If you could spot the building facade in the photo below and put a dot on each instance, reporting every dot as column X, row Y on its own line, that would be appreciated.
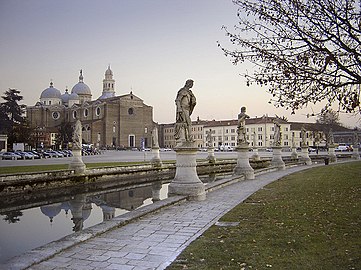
column 259, row 132
column 109, row 121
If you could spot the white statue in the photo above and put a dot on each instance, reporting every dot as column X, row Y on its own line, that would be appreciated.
column 77, row 135
column 155, row 143
column 277, row 133
column 185, row 103
column 241, row 127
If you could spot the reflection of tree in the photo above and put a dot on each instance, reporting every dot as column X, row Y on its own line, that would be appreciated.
column 13, row 216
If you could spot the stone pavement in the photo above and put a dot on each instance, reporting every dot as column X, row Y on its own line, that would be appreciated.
column 155, row 240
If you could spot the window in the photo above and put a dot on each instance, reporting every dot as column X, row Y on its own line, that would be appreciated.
column 260, row 129
column 260, row 137
column 97, row 111
column 74, row 114
column 286, row 129
column 130, row 111
column 86, row 113
column 56, row 115
column 233, row 130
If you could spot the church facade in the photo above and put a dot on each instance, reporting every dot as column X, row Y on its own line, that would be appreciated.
column 109, row 121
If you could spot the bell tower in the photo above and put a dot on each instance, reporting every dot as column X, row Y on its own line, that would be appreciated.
column 108, row 85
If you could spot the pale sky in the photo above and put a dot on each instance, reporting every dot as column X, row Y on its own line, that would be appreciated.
column 153, row 47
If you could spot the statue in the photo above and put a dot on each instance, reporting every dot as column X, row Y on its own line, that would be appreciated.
column 155, row 143
column 209, row 137
column 277, row 133
column 303, row 137
column 77, row 135
column 185, row 103
column 241, row 127
column 330, row 139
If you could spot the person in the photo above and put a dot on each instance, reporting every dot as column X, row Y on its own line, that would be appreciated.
column 185, row 103
column 241, row 127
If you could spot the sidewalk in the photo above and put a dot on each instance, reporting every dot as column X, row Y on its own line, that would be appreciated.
column 155, row 240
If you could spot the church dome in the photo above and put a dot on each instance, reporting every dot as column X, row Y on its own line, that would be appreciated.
column 73, row 96
column 65, row 97
column 81, row 88
column 50, row 92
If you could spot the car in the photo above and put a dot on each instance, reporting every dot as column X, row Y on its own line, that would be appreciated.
column 35, row 156
column 11, row 156
column 343, row 147
column 24, row 155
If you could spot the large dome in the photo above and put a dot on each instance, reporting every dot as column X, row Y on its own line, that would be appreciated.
column 81, row 88
column 51, row 92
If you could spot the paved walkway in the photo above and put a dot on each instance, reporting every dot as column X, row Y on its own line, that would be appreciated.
column 155, row 240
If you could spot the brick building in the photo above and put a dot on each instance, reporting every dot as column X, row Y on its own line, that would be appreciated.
column 109, row 121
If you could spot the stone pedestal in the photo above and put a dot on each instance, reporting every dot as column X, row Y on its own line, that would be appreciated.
column 255, row 155
column 277, row 158
column 331, row 153
column 294, row 154
column 156, row 161
column 211, row 158
column 305, row 157
column 156, row 187
column 77, row 163
column 243, row 167
column 186, row 181
column 355, row 153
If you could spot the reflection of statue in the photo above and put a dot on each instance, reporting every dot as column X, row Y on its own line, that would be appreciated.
column 155, row 143
column 303, row 136
column 185, row 103
column 277, row 133
column 241, row 127
column 77, row 136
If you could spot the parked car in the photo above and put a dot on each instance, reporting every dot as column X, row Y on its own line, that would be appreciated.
column 35, row 156
column 11, row 156
column 343, row 147
column 24, row 155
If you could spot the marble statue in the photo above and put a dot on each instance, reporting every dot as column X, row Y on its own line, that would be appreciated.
column 155, row 143
column 330, row 139
column 209, row 137
column 277, row 133
column 303, row 137
column 77, row 135
column 185, row 103
column 241, row 127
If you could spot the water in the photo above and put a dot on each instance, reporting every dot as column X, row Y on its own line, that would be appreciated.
column 24, row 227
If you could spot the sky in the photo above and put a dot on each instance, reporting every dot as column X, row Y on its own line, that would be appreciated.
column 152, row 46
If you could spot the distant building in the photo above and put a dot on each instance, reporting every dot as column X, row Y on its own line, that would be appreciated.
column 259, row 132
column 3, row 143
column 109, row 121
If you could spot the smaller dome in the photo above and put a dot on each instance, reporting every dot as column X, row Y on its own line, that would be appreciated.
column 109, row 71
column 51, row 92
column 106, row 95
column 65, row 97
column 73, row 96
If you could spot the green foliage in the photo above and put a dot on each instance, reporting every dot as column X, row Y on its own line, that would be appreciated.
column 308, row 220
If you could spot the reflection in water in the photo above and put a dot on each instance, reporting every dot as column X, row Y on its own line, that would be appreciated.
column 79, row 212
column 27, row 227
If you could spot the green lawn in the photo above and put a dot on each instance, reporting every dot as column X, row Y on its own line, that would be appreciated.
column 308, row 220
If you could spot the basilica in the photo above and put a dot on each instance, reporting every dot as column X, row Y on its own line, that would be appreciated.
column 108, row 121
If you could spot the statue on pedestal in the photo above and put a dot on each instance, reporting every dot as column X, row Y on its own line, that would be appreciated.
column 155, row 143
column 330, row 138
column 77, row 135
column 241, row 128
column 277, row 133
column 185, row 103
column 303, row 137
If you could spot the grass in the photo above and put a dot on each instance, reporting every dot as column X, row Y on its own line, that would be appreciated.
column 307, row 220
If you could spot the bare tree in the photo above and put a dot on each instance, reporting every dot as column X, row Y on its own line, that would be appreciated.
column 304, row 51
